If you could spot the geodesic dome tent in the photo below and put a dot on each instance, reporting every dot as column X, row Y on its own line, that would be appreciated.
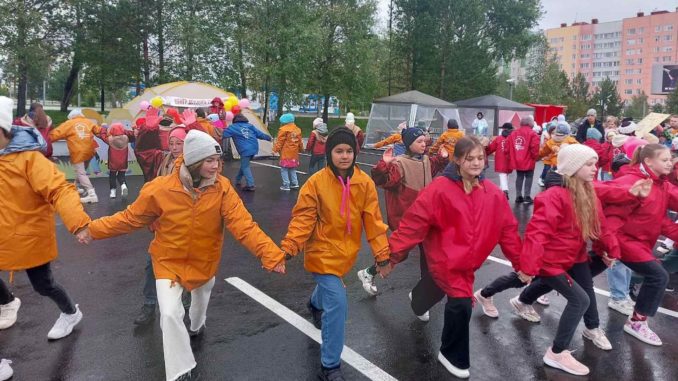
column 496, row 111
column 413, row 107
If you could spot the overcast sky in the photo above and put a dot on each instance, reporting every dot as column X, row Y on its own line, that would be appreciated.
column 569, row 11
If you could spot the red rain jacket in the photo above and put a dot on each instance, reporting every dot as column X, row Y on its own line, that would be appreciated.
column 523, row 146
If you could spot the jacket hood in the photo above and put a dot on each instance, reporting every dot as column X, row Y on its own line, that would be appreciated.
column 553, row 179
column 451, row 171
column 24, row 139
column 619, row 161
column 506, row 132
column 217, row 99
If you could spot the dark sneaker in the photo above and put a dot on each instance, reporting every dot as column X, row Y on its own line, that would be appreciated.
column 519, row 200
column 249, row 189
column 146, row 315
column 316, row 314
column 506, row 193
column 331, row 374
column 294, row 186
column 184, row 377
column 528, row 200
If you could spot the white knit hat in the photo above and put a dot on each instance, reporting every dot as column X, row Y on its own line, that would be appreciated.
column 627, row 127
column 198, row 146
column 619, row 140
column 317, row 121
column 350, row 118
column 6, row 106
column 75, row 113
column 574, row 156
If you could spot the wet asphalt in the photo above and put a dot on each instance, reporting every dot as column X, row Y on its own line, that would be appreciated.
column 245, row 341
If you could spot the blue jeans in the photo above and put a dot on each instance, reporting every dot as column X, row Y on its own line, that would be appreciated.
column 150, row 294
column 329, row 296
column 544, row 171
column 245, row 171
column 316, row 164
column 289, row 177
column 618, row 278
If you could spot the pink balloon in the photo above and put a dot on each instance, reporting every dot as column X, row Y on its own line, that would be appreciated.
column 244, row 103
column 229, row 116
column 219, row 124
column 144, row 105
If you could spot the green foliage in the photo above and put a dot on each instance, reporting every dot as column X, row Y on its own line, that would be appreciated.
column 672, row 102
column 607, row 100
column 658, row 107
column 638, row 107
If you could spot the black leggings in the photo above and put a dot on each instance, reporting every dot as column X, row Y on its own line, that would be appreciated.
column 654, row 285
column 112, row 175
column 43, row 283
column 577, row 304
column 426, row 293
column 501, row 284
column 526, row 178
column 583, row 273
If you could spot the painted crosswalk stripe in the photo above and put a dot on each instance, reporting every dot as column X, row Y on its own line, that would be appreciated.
column 351, row 357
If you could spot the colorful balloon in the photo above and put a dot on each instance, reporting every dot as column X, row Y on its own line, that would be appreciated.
column 157, row 102
column 244, row 103
column 235, row 110
column 229, row 116
column 228, row 106
column 144, row 105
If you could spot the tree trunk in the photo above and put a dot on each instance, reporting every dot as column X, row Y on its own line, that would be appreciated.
column 241, row 69
column 23, row 60
column 161, row 42
column 326, row 107
column 147, row 69
column 69, row 86
column 266, row 101
column 23, row 87
column 102, row 99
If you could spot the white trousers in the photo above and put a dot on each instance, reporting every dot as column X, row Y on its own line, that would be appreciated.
column 176, row 343
column 503, row 181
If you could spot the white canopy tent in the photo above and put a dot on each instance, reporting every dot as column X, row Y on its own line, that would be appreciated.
column 413, row 107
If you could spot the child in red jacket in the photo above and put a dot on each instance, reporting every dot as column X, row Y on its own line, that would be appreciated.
column 315, row 146
column 460, row 218
column 523, row 145
column 117, row 158
column 502, row 160
column 403, row 177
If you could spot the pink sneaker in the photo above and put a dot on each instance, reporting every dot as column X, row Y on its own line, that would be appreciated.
column 642, row 332
column 566, row 362
column 487, row 304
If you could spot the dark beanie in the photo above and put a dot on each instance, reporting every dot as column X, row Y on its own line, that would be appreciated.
column 340, row 135
column 452, row 124
column 240, row 118
column 409, row 135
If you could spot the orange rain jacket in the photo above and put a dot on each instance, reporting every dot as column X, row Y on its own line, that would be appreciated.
column 79, row 135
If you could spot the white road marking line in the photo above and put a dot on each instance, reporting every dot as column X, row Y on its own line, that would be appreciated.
column 274, row 166
column 351, row 357
column 598, row 291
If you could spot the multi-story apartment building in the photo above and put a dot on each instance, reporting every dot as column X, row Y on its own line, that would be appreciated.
column 632, row 52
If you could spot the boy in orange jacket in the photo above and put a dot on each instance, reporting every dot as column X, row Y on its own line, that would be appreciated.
column 34, row 188
column 288, row 144
column 448, row 139
column 184, row 257
column 327, row 222
column 79, row 132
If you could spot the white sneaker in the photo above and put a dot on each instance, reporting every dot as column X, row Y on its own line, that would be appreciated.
column 123, row 190
column 598, row 337
column 621, row 306
column 566, row 362
column 112, row 193
column 540, row 182
column 6, row 371
column 459, row 373
column 544, row 300
column 525, row 311
column 368, row 282
column 65, row 324
column 90, row 197
column 426, row 316
column 8, row 313
column 630, row 301
column 663, row 249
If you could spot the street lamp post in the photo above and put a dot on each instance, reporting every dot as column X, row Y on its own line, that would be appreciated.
column 511, row 82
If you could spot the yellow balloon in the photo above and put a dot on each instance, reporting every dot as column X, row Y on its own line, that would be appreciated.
column 232, row 101
column 228, row 106
column 156, row 102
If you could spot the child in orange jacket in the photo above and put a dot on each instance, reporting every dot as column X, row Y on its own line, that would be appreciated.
column 288, row 144
column 327, row 222
column 33, row 190
column 448, row 139
column 186, row 257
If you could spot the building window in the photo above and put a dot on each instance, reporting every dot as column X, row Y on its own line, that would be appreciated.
column 668, row 37
column 641, row 30
column 628, row 91
column 656, row 59
column 574, row 38
column 667, row 49
column 668, row 28
column 640, row 61
column 657, row 28
column 666, row 59
column 631, row 42
column 628, row 81
column 631, row 31
column 639, row 81
column 630, row 62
